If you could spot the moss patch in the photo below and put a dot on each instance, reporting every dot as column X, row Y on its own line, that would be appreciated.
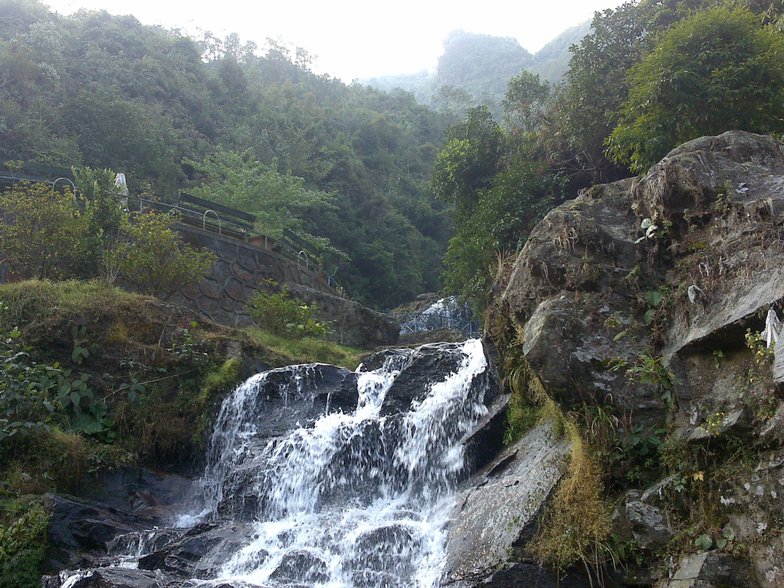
column 307, row 350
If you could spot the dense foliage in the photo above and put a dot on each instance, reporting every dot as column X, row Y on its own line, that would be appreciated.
column 278, row 313
column 151, row 256
column 43, row 233
column 714, row 71
column 105, row 91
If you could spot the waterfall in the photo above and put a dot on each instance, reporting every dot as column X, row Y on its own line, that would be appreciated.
column 445, row 313
column 318, row 476
column 357, row 499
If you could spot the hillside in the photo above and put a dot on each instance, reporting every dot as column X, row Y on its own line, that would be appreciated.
column 172, row 112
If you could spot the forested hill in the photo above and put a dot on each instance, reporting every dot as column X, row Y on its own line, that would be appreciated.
column 475, row 69
column 346, row 166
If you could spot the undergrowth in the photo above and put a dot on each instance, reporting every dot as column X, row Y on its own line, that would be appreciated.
column 306, row 350
column 23, row 542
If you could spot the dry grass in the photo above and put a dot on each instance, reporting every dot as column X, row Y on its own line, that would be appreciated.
column 577, row 524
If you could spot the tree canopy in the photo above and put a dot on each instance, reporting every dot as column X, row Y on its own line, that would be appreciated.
column 714, row 71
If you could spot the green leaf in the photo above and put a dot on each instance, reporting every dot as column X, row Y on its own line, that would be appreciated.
column 649, row 316
column 87, row 424
column 704, row 542
column 653, row 298
column 79, row 354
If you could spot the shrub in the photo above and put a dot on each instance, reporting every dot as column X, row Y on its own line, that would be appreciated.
column 44, row 234
column 152, row 257
column 278, row 313
column 716, row 71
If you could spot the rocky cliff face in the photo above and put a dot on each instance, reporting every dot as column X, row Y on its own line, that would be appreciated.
column 631, row 306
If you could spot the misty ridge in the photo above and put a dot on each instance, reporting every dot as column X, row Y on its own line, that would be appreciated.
column 476, row 69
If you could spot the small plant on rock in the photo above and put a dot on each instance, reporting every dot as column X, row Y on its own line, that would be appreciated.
column 274, row 310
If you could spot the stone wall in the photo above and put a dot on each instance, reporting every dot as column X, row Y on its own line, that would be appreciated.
column 240, row 268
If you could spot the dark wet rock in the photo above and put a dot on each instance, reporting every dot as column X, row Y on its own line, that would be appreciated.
column 427, row 365
column 142, row 543
column 487, row 439
column 385, row 550
column 140, row 490
column 297, row 395
column 111, row 578
column 419, row 370
column 530, row 575
column 640, row 520
column 495, row 514
column 198, row 553
column 80, row 530
column 301, row 566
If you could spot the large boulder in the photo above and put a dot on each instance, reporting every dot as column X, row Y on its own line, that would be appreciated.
column 592, row 287
column 80, row 530
column 636, row 296
column 419, row 370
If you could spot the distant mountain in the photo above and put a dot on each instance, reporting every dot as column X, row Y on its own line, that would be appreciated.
column 419, row 84
column 480, row 64
column 552, row 60
column 475, row 69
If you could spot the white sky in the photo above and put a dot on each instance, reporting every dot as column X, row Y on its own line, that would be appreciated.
column 354, row 39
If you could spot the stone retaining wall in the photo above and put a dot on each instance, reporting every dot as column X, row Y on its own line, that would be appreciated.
column 240, row 268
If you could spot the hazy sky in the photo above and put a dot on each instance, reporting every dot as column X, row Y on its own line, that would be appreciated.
column 359, row 38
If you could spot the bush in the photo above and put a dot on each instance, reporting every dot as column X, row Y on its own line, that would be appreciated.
column 716, row 71
column 152, row 257
column 278, row 313
column 43, row 233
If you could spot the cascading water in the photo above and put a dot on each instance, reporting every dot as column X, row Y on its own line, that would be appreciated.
column 445, row 313
column 357, row 499
column 355, row 494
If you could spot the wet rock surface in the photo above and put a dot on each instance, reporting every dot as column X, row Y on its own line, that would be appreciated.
column 80, row 530
column 290, row 397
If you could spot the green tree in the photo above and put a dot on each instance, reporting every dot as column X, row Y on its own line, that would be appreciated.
column 500, row 186
column 153, row 258
column 717, row 70
column 279, row 201
column 525, row 101
column 469, row 160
